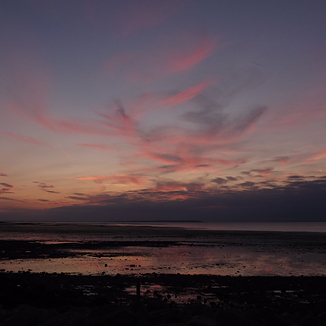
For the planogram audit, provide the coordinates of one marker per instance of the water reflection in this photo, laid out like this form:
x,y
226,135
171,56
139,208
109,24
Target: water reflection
x,y
129,249
177,259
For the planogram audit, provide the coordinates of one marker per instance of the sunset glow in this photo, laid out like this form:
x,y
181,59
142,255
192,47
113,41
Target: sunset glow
x,y
131,110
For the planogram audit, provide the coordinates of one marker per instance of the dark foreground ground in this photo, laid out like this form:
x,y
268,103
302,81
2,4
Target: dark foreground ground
x,y
161,299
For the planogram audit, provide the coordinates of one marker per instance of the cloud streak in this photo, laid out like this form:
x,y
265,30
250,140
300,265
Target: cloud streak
x,y
24,139
96,146
6,188
316,157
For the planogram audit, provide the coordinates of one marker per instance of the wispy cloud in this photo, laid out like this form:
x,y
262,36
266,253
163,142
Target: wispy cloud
x,y
282,159
97,146
7,185
77,198
6,188
52,192
3,175
259,172
316,157
117,179
186,95
184,61
25,139
43,185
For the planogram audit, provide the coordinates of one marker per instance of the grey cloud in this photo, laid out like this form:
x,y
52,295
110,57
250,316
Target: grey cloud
x,y
44,186
220,181
168,157
247,184
77,198
295,177
7,185
298,201
281,159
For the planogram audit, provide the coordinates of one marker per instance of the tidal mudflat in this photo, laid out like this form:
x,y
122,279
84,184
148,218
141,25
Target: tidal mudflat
x,y
105,274
98,249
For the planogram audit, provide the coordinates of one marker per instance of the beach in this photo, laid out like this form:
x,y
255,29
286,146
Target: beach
x,y
108,248
104,274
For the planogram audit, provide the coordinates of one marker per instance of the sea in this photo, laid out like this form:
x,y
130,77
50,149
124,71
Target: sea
x,y
165,247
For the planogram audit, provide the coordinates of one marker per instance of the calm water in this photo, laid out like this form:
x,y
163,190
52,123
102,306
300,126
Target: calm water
x,y
198,248
248,226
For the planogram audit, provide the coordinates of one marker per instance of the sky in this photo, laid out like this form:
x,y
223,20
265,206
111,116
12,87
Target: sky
x,y
147,109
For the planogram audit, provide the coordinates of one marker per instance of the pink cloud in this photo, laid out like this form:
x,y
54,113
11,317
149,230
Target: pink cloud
x,y
282,159
97,146
116,179
29,100
164,58
300,117
187,94
316,157
309,108
259,172
25,139
183,61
